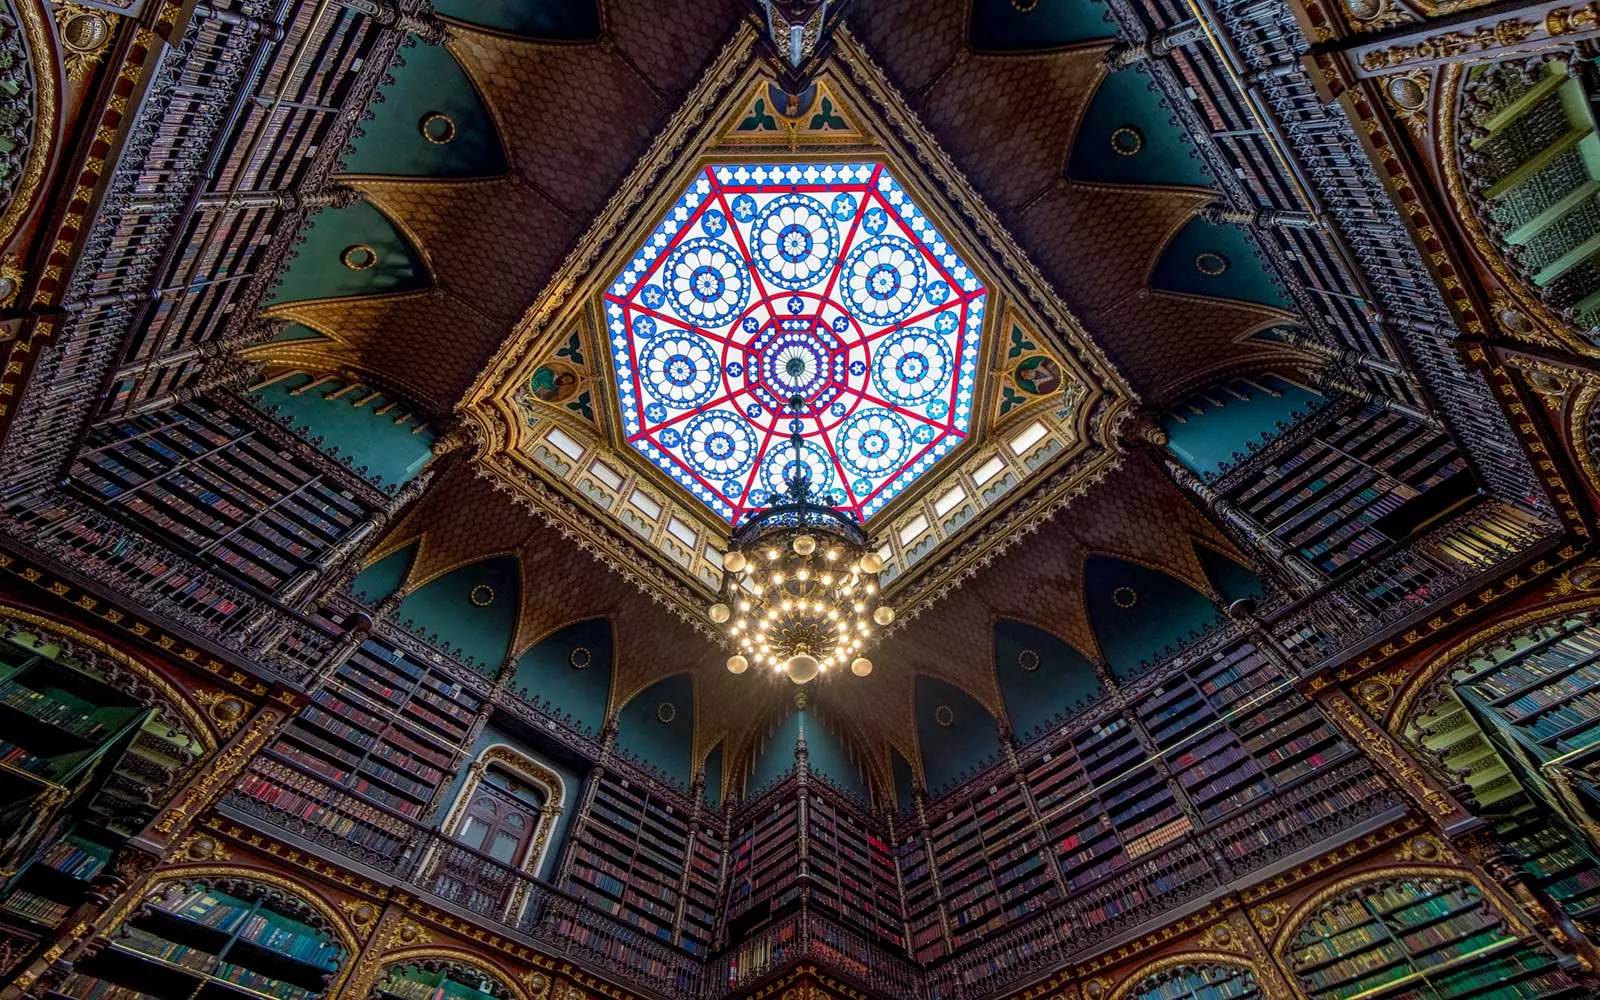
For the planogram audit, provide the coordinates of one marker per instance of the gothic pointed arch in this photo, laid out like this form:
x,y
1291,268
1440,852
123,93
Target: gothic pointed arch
x,y
470,611
656,729
956,735
1001,26
432,122
1232,579
1218,261
1191,976
1042,677
349,252
383,576
1141,615
1128,135
568,673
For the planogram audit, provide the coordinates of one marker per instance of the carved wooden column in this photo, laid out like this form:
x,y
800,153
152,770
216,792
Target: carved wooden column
x,y
1326,379
1299,576
1157,46
217,776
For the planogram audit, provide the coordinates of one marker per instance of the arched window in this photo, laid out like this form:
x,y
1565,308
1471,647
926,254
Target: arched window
x,y
213,937
1511,718
501,817
438,979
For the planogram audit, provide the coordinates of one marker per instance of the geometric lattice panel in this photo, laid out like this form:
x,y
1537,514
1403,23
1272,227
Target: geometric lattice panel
x,y
776,299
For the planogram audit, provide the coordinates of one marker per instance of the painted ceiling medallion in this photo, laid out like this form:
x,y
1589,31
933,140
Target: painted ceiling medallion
x,y
818,281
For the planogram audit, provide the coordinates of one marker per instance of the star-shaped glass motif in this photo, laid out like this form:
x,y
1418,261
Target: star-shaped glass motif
x,y
767,282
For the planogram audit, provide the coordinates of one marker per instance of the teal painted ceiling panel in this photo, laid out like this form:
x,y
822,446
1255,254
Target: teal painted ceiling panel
x,y
431,123
1218,261
570,673
1233,581
956,734
373,444
351,251
471,612
1041,677
1140,615
1129,136
656,729
383,577
1007,26
554,20
1229,429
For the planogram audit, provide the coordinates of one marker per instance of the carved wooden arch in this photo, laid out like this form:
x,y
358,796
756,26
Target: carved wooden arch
x,y
1308,908
435,959
1143,973
530,770
312,908
1397,707
1523,313
174,708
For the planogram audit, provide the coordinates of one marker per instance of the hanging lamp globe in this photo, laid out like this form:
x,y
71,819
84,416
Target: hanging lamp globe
x,y
800,584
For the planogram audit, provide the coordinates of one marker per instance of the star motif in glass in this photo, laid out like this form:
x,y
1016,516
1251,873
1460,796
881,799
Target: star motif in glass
x,y
770,281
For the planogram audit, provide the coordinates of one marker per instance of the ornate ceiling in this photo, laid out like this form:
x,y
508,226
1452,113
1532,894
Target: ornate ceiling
x,y
602,261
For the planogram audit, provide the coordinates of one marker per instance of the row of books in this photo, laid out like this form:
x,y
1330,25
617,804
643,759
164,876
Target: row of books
x,y
48,710
37,908
76,857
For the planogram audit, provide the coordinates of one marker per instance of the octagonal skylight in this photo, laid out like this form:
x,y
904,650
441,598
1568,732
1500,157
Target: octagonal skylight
x,y
767,282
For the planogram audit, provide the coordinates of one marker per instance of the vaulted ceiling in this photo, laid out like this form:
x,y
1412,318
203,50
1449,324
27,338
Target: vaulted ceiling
x,y
489,158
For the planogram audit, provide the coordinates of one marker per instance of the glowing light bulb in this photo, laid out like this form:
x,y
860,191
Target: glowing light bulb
x,y
804,545
871,562
883,615
737,664
861,666
718,612
735,562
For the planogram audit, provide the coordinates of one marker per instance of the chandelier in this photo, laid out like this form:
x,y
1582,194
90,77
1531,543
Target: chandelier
x,y
800,585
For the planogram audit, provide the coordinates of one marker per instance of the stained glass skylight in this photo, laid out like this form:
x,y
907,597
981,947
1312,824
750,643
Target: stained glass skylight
x,y
769,281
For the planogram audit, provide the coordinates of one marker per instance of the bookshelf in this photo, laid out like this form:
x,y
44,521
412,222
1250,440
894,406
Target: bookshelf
x,y
1418,937
53,883
1539,697
852,870
1510,795
992,868
452,981
367,757
628,861
1199,982
924,914
763,865
206,942
200,478
1356,484
65,732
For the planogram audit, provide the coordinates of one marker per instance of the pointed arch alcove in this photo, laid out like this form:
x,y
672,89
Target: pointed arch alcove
x,y
1042,678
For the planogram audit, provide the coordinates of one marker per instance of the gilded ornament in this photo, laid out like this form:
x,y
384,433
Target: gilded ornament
x,y
362,913
11,278
359,257
85,35
203,847
224,709
438,128
538,984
